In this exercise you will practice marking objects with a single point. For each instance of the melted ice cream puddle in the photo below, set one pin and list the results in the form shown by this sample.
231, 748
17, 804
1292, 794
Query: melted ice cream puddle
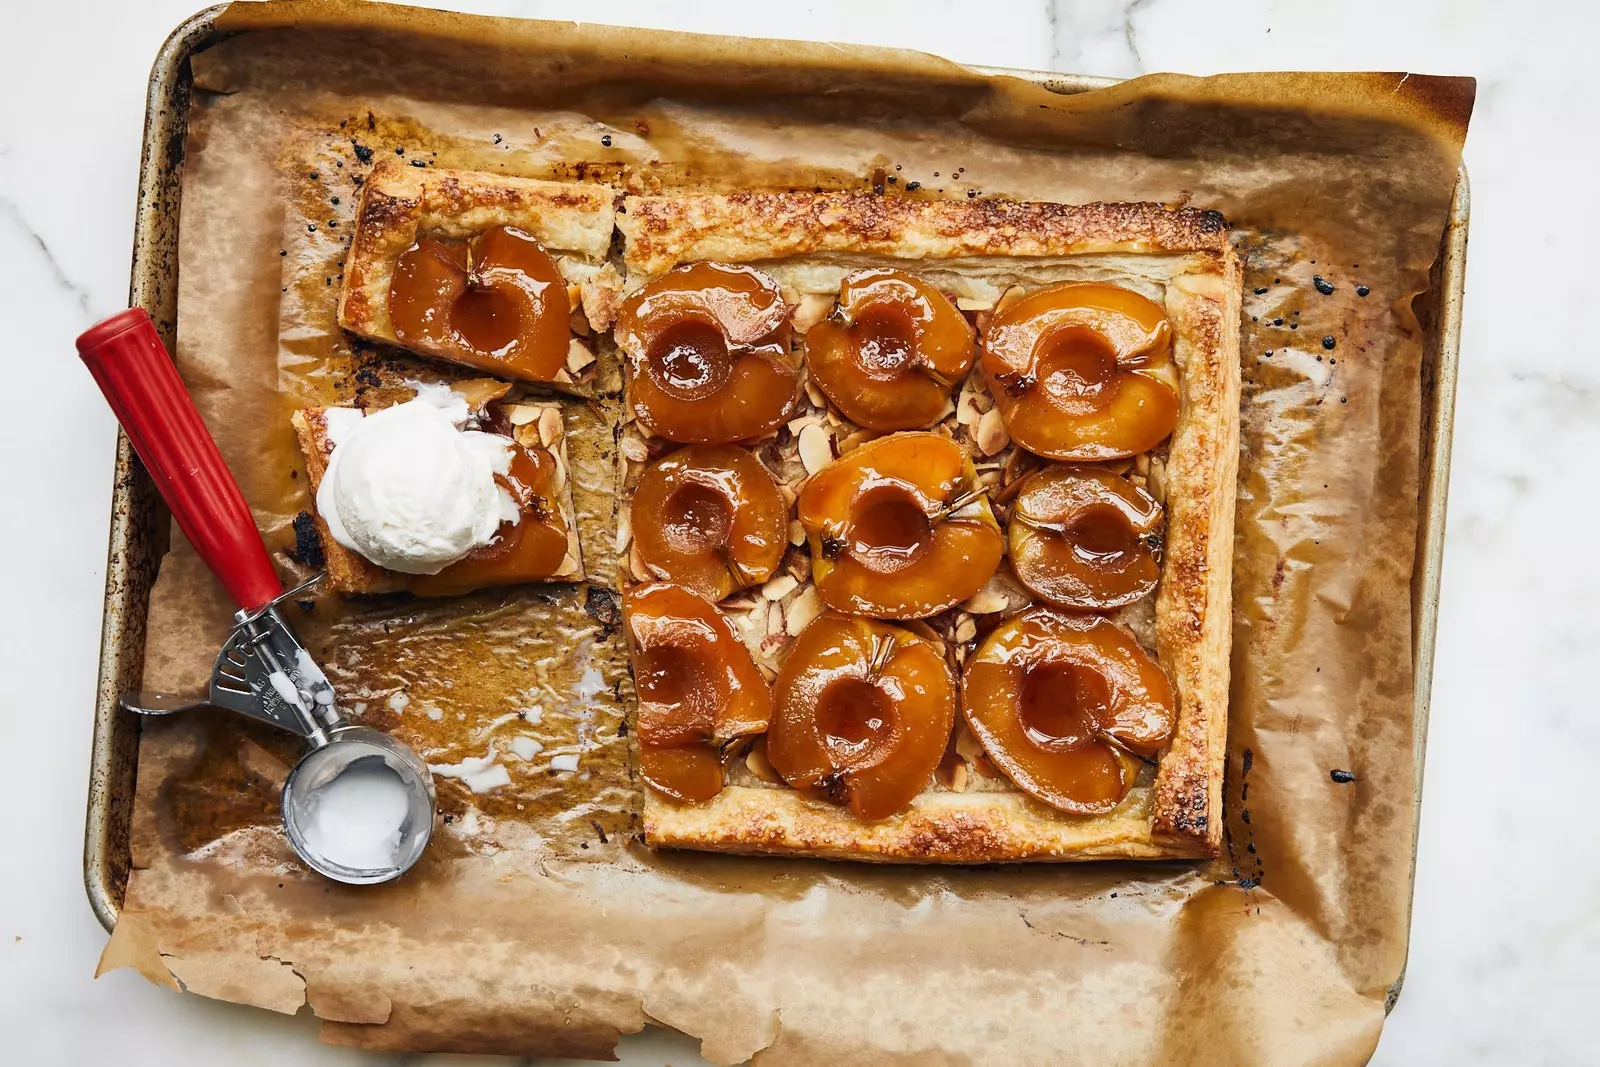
356, 819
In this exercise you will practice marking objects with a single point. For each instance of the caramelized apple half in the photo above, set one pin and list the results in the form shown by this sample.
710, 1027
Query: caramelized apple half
698, 689
891, 351
533, 547
898, 529
710, 518
708, 347
1064, 703
495, 301
862, 714
1084, 538
1082, 371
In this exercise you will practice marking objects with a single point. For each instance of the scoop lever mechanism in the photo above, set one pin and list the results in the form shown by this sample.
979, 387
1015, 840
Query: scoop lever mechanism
264, 672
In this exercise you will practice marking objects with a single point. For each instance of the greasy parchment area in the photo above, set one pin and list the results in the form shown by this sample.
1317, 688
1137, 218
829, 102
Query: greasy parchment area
535, 925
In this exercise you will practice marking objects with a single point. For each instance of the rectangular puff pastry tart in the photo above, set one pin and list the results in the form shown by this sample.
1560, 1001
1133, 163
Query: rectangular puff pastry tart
402, 498
502, 274
928, 513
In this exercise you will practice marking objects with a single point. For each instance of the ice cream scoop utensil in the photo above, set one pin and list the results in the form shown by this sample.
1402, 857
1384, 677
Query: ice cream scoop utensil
263, 670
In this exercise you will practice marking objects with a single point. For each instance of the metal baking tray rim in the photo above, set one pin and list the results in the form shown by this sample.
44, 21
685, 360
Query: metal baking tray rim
139, 520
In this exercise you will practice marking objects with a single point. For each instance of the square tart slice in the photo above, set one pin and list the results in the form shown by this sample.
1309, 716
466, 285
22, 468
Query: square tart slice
537, 430
984, 256
502, 274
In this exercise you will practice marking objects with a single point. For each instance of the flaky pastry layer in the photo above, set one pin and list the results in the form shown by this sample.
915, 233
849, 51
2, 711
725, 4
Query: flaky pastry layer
661, 232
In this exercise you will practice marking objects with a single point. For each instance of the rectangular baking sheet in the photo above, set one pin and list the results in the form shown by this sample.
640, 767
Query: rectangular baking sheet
139, 523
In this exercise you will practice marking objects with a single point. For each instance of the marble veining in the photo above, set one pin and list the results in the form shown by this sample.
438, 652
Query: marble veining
1507, 916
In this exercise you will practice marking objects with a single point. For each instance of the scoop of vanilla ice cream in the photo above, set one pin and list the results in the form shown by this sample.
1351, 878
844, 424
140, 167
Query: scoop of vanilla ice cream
409, 490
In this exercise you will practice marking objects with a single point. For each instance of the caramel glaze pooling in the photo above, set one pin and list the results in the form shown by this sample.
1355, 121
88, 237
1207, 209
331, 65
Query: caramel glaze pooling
898, 530
862, 714
698, 689
708, 350
1065, 705
1082, 372
710, 518
1084, 538
495, 301
891, 351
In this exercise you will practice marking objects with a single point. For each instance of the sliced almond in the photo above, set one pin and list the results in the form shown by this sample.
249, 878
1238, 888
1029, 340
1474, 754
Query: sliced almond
634, 449
578, 323
790, 295
551, 428
522, 414
558, 480
579, 356
797, 533
624, 527
756, 761
800, 566
527, 435
966, 629
569, 566
738, 603
974, 303
991, 434
774, 618
816, 448
574, 294
798, 425
804, 608
1007, 298
602, 298
987, 601
1158, 480
814, 307
856, 440
636, 564
971, 750
815, 394
967, 410
779, 587
1141, 464
958, 778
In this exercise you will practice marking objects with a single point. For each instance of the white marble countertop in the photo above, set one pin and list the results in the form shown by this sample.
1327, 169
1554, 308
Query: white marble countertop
1503, 967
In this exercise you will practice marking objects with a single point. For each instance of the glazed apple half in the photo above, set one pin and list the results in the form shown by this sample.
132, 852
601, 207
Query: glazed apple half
494, 301
710, 518
898, 530
862, 714
1067, 706
699, 690
891, 351
1082, 371
708, 353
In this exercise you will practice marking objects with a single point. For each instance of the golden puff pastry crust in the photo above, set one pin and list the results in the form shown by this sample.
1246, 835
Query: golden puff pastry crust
661, 232
975, 251
350, 572
573, 221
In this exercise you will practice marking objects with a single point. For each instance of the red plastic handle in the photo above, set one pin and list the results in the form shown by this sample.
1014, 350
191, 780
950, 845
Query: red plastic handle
127, 358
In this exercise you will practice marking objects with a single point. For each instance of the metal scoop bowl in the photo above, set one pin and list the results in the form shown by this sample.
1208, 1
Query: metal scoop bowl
263, 670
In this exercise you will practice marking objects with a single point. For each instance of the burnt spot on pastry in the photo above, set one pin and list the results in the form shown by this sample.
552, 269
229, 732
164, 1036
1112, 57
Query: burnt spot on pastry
603, 606
307, 550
